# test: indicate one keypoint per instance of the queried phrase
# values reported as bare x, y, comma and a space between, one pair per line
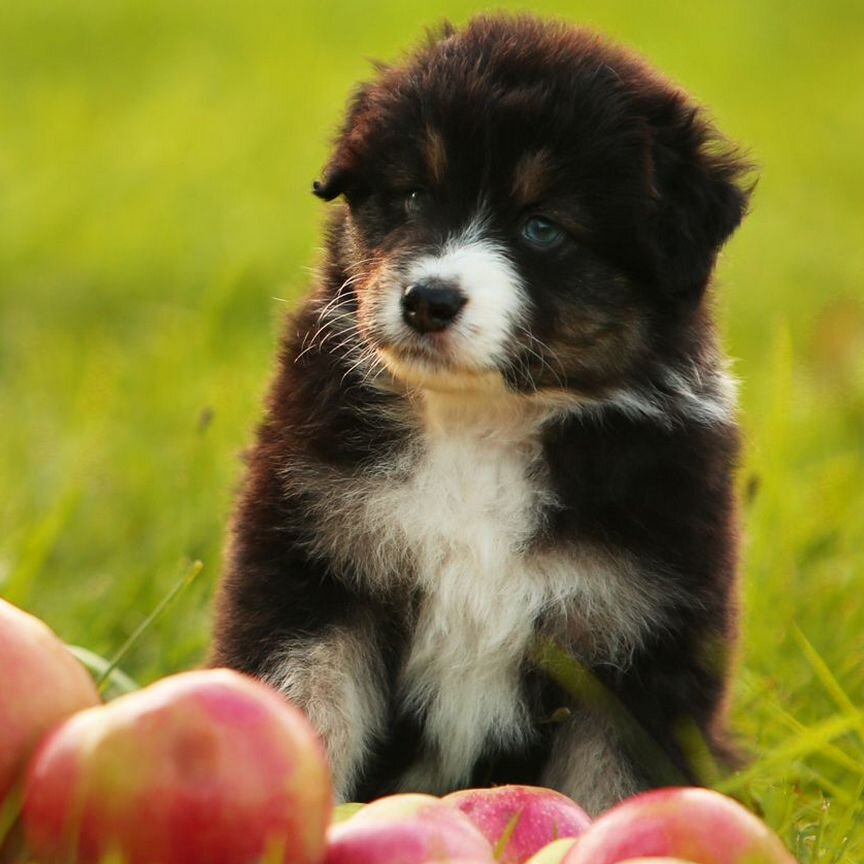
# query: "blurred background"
155, 223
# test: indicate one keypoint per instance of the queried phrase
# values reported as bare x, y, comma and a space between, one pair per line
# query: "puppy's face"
527, 208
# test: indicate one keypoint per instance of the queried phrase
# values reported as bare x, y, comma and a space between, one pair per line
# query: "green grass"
155, 162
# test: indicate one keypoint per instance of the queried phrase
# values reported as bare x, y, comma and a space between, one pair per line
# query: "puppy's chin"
441, 376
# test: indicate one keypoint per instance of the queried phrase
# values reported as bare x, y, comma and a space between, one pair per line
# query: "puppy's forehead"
512, 183
530, 173
479, 117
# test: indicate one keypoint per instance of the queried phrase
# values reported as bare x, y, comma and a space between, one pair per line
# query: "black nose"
431, 305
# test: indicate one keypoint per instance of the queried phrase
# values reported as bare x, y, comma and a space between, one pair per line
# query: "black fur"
647, 193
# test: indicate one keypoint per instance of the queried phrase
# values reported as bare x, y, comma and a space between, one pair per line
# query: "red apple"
406, 829
520, 820
200, 767
698, 825
41, 683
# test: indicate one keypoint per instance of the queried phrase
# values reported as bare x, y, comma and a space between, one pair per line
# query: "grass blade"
583, 685
813, 740
101, 670
39, 544
828, 681
181, 585
851, 819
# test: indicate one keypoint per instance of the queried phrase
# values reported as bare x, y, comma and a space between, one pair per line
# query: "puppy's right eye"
543, 233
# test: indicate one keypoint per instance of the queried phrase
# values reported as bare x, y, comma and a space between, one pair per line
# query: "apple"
41, 683
554, 852
697, 825
345, 811
407, 829
200, 767
520, 820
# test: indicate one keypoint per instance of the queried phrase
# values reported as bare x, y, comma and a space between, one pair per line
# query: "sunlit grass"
155, 161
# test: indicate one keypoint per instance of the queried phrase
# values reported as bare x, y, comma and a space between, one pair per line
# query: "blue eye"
415, 201
542, 233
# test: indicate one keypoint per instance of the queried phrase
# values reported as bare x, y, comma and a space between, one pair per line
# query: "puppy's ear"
341, 172
335, 182
701, 196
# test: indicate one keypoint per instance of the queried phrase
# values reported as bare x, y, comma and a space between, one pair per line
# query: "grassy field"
155, 164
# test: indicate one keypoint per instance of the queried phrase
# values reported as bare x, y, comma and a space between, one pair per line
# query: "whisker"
559, 375
351, 338
364, 358
326, 319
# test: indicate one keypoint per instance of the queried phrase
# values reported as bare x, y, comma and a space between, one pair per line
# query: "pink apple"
520, 820
697, 825
200, 767
41, 683
406, 829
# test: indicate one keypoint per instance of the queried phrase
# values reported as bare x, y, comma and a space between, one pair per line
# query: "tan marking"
595, 343
530, 176
436, 155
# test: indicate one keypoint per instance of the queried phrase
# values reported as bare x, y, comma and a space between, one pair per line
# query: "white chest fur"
470, 508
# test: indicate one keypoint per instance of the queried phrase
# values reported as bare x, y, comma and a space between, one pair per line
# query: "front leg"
337, 678
655, 722
306, 627
322, 652
589, 763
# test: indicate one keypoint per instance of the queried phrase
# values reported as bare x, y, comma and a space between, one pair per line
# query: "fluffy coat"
540, 454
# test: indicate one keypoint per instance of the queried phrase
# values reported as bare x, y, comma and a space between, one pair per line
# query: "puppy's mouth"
425, 337
434, 361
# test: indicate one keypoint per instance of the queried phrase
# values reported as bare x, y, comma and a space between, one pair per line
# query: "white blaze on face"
479, 267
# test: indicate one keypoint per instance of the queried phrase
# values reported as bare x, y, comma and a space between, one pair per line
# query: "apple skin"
554, 852
696, 825
541, 816
342, 812
200, 767
41, 683
407, 829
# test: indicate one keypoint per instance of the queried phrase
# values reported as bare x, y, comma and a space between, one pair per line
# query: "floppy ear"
335, 182
700, 196
340, 173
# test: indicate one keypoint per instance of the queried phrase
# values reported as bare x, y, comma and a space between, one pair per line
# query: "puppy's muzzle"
431, 305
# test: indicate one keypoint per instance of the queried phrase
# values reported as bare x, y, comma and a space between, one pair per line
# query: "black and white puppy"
501, 420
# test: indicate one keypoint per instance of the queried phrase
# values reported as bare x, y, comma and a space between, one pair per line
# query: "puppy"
488, 533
